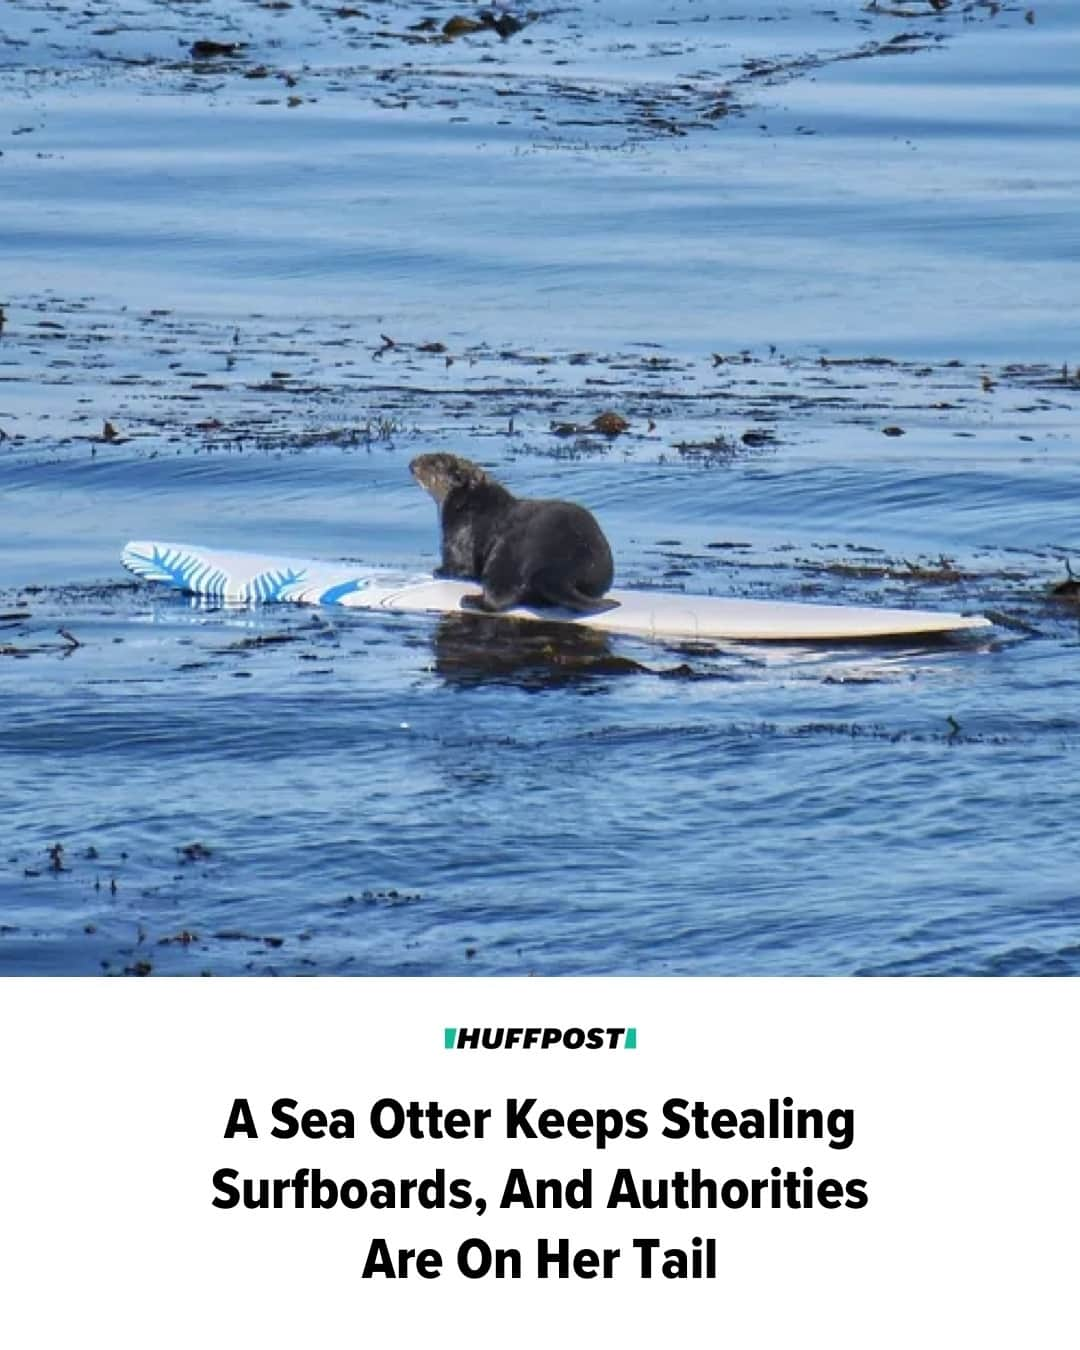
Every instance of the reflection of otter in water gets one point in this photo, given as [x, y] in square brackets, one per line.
[475, 649]
[524, 552]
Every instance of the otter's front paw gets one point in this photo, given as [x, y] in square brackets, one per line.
[476, 602]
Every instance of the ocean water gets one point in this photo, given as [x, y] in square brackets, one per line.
[825, 262]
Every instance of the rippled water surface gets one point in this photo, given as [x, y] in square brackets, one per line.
[824, 261]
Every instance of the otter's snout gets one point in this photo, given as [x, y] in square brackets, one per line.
[440, 473]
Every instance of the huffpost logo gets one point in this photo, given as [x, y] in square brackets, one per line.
[540, 1038]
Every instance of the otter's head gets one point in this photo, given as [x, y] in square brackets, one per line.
[441, 473]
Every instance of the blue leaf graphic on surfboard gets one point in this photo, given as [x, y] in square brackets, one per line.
[184, 571]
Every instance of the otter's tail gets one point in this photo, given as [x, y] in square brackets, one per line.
[581, 603]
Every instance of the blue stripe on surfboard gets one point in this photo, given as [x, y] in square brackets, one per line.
[334, 594]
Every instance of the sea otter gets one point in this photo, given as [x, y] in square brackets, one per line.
[522, 551]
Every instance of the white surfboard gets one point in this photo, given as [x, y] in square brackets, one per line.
[255, 578]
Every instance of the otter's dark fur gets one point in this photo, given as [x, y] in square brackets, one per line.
[524, 552]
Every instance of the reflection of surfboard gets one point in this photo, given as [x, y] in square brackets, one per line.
[252, 577]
